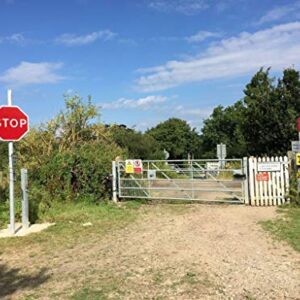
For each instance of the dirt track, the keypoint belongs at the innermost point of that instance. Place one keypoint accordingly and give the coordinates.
(180, 252)
(222, 248)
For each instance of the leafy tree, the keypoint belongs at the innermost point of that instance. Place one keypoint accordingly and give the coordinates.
(288, 95)
(270, 112)
(177, 137)
(138, 145)
(223, 126)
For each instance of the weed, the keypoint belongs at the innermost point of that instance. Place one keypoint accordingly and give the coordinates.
(286, 226)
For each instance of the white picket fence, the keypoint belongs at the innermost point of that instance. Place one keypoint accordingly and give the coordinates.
(272, 191)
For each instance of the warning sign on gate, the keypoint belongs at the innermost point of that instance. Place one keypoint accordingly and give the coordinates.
(262, 176)
(138, 166)
(133, 166)
(129, 166)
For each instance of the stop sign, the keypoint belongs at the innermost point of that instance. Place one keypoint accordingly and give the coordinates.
(14, 123)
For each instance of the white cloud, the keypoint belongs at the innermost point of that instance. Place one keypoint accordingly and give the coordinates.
(280, 12)
(32, 73)
(16, 38)
(186, 7)
(196, 112)
(79, 40)
(278, 47)
(141, 103)
(201, 36)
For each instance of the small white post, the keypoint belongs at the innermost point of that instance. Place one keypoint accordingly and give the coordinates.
(246, 181)
(11, 176)
(25, 207)
(114, 182)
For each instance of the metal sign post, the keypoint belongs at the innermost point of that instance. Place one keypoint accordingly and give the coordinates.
(11, 175)
(14, 124)
(25, 208)
(221, 154)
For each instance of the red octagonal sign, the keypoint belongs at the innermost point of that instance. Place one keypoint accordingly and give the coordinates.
(14, 123)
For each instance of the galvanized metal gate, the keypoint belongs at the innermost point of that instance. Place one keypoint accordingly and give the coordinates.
(209, 180)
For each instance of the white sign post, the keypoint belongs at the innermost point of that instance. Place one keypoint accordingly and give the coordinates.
(11, 175)
(221, 154)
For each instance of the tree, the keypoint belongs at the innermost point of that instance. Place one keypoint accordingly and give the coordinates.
(137, 144)
(177, 137)
(223, 126)
(270, 112)
(288, 94)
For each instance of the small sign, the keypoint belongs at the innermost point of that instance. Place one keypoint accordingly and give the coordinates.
(211, 165)
(298, 159)
(270, 166)
(137, 166)
(262, 176)
(151, 174)
(296, 146)
(129, 166)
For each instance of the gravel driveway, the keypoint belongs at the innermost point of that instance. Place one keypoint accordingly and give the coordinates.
(174, 252)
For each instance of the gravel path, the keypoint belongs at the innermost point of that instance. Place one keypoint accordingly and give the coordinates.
(222, 248)
(176, 252)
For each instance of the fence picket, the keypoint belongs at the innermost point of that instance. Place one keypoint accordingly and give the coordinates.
(268, 186)
(251, 182)
(273, 182)
(260, 187)
(257, 198)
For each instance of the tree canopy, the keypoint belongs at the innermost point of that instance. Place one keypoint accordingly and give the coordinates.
(177, 137)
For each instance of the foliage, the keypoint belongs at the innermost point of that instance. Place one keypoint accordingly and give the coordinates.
(286, 226)
(177, 137)
(223, 126)
(262, 123)
(137, 144)
(68, 158)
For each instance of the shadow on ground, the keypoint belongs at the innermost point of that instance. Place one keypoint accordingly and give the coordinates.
(12, 280)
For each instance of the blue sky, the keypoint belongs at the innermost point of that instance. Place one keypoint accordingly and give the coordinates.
(142, 61)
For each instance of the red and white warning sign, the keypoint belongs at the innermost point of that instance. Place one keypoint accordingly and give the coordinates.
(262, 176)
(137, 166)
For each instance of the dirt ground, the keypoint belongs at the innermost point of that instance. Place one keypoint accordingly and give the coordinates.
(174, 252)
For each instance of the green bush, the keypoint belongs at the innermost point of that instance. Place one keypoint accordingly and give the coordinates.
(68, 159)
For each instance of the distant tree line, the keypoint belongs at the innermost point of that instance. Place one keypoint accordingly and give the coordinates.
(263, 122)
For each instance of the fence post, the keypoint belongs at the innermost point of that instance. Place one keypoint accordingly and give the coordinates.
(114, 182)
(25, 207)
(246, 180)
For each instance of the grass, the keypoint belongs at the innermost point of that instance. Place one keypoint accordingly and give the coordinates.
(286, 226)
(89, 294)
(69, 219)
(53, 247)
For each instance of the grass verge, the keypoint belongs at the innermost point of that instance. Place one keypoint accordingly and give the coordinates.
(69, 219)
(286, 226)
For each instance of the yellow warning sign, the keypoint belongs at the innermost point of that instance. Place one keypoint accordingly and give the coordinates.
(129, 166)
(298, 159)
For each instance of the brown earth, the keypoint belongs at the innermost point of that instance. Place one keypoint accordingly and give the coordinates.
(172, 252)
